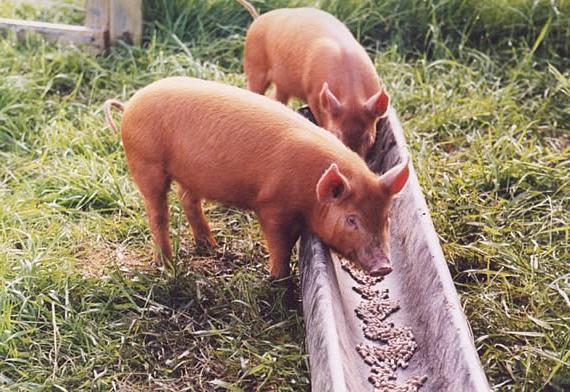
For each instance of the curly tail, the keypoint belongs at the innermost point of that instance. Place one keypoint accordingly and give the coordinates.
(250, 8)
(107, 109)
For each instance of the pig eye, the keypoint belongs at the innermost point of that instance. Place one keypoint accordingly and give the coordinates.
(352, 222)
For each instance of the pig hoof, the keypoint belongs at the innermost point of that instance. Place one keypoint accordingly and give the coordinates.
(206, 243)
(291, 299)
(291, 291)
(158, 262)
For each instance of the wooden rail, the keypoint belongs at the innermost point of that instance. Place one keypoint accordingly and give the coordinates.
(106, 23)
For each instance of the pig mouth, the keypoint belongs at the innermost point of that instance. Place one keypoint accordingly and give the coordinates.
(377, 266)
(380, 270)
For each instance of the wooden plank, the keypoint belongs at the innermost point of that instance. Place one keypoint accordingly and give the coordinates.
(97, 18)
(421, 282)
(53, 31)
(126, 21)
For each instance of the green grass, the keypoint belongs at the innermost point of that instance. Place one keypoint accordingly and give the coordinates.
(486, 110)
(436, 28)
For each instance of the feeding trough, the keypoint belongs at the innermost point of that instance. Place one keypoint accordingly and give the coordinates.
(420, 283)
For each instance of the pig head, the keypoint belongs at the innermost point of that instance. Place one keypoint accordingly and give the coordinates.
(351, 119)
(353, 215)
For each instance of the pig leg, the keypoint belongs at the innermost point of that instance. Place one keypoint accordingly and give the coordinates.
(154, 185)
(255, 66)
(280, 235)
(281, 96)
(257, 82)
(193, 210)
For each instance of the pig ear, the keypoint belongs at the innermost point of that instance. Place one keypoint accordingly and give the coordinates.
(332, 186)
(378, 104)
(394, 180)
(329, 101)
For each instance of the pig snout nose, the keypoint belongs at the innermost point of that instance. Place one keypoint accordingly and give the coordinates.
(381, 267)
(381, 270)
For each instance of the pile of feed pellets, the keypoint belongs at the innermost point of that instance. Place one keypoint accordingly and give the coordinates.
(398, 343)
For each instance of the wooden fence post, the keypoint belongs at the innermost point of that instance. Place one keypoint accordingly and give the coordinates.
(97, 18)
(126, 21)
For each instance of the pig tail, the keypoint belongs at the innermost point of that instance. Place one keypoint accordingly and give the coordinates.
(107, 109)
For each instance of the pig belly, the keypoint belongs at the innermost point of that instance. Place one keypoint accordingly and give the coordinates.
(211, 185)
(229, 169)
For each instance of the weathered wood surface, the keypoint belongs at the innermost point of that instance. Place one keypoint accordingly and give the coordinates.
(97, 17)
(420, 281)
(126, 21)
(54, 31)
(106, 22)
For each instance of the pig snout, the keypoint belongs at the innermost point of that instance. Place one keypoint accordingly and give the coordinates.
(380, 267)
(376, 263)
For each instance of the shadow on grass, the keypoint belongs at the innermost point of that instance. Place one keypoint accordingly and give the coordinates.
(210, 321)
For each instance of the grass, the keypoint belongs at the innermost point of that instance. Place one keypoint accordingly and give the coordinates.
(436, 28)
(488, 125)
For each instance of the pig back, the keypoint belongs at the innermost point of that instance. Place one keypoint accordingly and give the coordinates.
(291, 37)
(296, 27)
(228, 144)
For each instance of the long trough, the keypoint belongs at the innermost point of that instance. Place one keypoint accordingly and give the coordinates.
(420, 283)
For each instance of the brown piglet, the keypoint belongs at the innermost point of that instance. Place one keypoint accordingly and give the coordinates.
(229, 145)
(309, 54)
